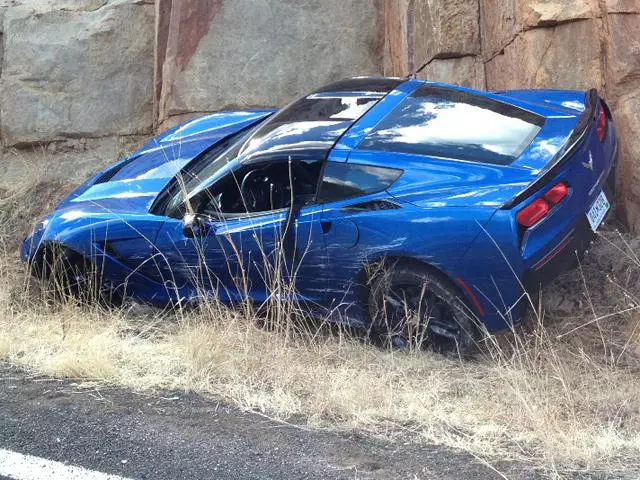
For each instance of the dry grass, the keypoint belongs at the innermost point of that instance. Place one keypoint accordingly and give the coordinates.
(562, 394)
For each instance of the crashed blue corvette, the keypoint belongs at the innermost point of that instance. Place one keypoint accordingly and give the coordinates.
(420, 210)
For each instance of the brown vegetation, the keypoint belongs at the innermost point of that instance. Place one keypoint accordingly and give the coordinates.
(562, 393)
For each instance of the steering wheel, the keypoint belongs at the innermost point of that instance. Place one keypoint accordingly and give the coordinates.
(251, 197)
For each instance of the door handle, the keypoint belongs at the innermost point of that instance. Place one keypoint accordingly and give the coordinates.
(326, 226)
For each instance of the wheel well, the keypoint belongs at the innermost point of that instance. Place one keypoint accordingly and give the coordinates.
(45, 255)
(375, 268)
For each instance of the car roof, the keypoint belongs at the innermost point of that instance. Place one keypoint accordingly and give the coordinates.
(309, 127)
(363, 84)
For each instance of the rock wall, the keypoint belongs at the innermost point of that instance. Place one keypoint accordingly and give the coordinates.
(76, 84)
(82, 80)
(502, 44)
(219, 54)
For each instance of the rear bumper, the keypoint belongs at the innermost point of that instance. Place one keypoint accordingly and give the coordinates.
(562, 258)
(572, 247)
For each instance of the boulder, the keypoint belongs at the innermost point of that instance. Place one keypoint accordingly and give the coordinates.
(396, 38)
(445, 29)
(622, 6)
(4, 5)
(623, 55)
(70, 161)
(503, 20)
(627, 120)
(241, 53)
(465, 71)
(499, 24)
(536, 13)
(76, 69)
(622, 87)
(567, 56)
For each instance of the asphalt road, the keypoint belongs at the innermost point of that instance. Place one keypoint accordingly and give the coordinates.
(178, 435)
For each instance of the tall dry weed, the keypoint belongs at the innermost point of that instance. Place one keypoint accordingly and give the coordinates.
(561, 393)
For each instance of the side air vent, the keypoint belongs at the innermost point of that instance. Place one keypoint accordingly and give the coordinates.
(109, 249)
(109, 174)
(371, 206)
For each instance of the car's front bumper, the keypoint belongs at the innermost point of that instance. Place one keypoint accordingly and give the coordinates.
(32, 243)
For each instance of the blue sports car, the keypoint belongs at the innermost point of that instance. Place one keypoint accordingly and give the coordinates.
(425, 212)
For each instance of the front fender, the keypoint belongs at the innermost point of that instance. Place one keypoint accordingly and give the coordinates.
(82, 231)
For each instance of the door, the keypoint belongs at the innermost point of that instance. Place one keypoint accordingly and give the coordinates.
(249, 255)
(191, 266)
(243, 258)
(307, 266)
(278, 255)
(259, 237)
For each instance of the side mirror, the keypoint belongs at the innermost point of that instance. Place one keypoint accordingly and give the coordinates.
(193, 226)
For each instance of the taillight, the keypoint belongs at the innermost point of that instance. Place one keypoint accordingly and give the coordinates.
(557, 193)
(538, 209)
(602, 124)
(532, 214)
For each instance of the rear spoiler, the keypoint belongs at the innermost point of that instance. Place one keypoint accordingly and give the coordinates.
(574, 142)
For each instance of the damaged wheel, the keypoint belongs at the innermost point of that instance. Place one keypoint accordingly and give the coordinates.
(65, 274)
(413, 308)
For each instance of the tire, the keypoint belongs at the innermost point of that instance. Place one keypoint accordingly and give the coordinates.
(414, 307)
(66, 275)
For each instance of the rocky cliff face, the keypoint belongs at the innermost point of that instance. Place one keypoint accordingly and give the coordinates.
(82, 79)
(76, 84)
(219, 54)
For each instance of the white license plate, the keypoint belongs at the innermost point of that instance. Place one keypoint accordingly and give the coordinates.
(597, 211)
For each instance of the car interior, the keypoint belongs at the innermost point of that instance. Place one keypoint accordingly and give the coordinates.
(262, 188)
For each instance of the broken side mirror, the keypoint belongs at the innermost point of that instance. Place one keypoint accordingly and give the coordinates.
(193, 226)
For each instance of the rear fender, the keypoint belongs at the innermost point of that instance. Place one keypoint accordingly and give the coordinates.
(437, 237)
(493, 269)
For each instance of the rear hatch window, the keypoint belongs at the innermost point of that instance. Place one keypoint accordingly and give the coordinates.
(448, 123)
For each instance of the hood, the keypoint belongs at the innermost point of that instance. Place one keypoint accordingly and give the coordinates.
(208, 128)
(132, 184)
(130, 196)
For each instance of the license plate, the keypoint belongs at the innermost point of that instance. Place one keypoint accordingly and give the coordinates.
(597, 211)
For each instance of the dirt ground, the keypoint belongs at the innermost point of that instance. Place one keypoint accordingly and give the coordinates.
(177, 435)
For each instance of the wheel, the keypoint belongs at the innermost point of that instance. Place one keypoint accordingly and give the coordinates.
(66, 275)
(412, 308)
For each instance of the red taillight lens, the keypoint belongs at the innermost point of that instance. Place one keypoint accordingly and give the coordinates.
(557, 193)
(602, 124)
(533, 213)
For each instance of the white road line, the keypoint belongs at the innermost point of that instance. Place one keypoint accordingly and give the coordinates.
(27, 467)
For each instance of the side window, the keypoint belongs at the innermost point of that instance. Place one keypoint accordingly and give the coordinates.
(344, 180)
(262, 188)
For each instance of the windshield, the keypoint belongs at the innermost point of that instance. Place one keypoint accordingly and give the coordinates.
(310, 126)
(201, 173)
